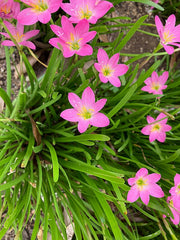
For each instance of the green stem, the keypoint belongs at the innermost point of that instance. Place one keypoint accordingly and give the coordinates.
(159, 46)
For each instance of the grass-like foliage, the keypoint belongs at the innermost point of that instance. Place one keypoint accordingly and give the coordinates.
(49, 172)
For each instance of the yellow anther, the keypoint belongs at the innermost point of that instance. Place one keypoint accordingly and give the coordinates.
(85, 13)
(168, 37)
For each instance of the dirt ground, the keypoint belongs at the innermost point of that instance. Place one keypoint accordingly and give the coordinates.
(139, 43)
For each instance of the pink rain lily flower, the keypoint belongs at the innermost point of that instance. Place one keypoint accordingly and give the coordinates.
(91, 10)
(9, 9)
(169, 34)
(174, 210)
(155, 84)
(156, 128)
(85, 111)
(175, 191)
(72, 40)
(109, 69)
(144, 185)
(40, 10)
(19, 35)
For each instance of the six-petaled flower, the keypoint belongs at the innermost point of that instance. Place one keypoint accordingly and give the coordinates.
(109, 69)
(39, 10)
(73, 40)
(85, 111)
(169, 34)
(91, 10)
(156, 128)
(155, 83)
(144, 185)
(19, 35)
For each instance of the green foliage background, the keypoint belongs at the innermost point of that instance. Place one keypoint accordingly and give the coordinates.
(47, 167)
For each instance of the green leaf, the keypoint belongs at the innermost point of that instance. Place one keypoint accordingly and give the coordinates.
(77, 165)
(84, 137)
(6, 99)
(131, 32)
(123, 101)
(54, 159)
(29, 150)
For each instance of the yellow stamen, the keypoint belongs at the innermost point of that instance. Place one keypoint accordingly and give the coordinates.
(156, 127)
(40, 6)
(86, 113)
(168, 37)
(155, 86)
(18, 37)
(107, 71)
(74, 44)
(85, 13)
(5, 9)
(141, 183)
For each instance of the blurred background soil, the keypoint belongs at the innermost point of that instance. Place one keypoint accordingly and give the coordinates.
(139, 43)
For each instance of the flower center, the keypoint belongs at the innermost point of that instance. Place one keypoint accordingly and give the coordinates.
(74, 44)
(18, 37)
(168, 37)
(86, 113)
(156, 127)
(40, 6)
(5, 9)
(107, 71)
(155, 86)
(85, 13)
(141, 183)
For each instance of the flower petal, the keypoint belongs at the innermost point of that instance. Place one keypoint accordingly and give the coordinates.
(99, 105)
(70, 115)
(154, 177)
(102, 57)
(103, 78)
(44, 17)
(30, 34)
(113, 61)
(99, 120)
(27, 17)
(75, 101)
(144, 195)
(88, 97)
(28, 44)
(83, 125)
(156, 191)
(133, 195)
(114, 81)
(142, 172)
(85, 50)
(120, 69)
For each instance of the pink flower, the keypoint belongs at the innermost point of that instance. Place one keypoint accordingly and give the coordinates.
(72, 40)
(91, 10)
(9, 9)
(85, 111)
(144, 185)
(158, 129)
(40, 10)
(169, 34)
(109, 69)
(175, 191)
(174, 210)
(155, 84)
(19, 35)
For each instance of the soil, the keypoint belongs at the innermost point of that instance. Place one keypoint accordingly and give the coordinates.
(139, 43)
